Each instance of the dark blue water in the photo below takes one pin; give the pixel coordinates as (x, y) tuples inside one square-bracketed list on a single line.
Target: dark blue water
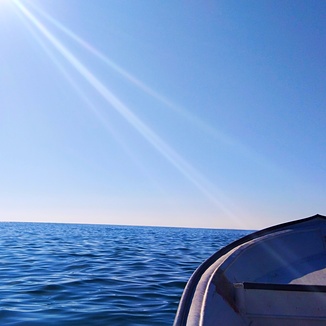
[(68, 274)]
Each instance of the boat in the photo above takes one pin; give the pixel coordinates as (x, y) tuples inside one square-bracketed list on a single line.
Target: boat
[(275, 276)]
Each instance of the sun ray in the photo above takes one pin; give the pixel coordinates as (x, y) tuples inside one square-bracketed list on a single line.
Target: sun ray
[(231, 142), (135, 81), (198, 180), (98, 114)]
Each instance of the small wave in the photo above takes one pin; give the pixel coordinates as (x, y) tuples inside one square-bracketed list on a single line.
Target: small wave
[(59, 274)]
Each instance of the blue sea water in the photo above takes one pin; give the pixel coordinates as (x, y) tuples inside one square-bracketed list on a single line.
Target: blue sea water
[(71, 274)]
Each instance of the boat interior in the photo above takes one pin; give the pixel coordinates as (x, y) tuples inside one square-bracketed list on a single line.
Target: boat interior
[(278, 276)]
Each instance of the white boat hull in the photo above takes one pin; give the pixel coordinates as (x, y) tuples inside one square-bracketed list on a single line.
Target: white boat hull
[(276, 276)]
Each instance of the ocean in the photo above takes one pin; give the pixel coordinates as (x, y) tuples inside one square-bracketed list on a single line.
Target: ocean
[(73, 274)]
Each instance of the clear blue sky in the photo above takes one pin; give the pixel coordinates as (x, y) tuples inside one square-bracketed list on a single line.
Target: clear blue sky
[(179, 113)]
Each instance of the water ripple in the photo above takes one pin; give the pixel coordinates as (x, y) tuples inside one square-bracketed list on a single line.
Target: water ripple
[(63, 274)]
